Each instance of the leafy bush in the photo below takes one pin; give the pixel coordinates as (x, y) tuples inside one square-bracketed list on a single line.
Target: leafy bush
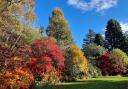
[(92, 50), (13, 68), (94, 71), (45, 57), (113, 63), (50, 77), (16, 79)]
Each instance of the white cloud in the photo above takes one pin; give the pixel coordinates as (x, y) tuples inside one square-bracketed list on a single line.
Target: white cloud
[(98, 5), (124, 26)]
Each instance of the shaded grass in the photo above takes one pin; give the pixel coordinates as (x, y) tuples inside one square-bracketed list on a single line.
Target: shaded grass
[(97, 83)]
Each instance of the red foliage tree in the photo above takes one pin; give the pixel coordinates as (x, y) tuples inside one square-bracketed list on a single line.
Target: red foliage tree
[(46, 55)]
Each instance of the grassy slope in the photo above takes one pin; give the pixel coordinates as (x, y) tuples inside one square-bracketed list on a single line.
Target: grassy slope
[(97, 83)]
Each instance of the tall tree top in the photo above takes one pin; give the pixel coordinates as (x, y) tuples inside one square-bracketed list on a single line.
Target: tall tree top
[(89, 37), (57, 13), (113, 25), (58, 28), (114, 35), (99, 40)]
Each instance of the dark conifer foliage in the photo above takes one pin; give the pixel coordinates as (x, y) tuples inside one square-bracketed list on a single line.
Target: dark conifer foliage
[(114, 35), (99, 40)]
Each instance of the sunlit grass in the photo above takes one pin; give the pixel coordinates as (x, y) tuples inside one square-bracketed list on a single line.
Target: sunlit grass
[(95, 83)]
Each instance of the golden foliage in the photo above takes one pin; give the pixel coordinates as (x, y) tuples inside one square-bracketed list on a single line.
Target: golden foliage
[(77, 56)]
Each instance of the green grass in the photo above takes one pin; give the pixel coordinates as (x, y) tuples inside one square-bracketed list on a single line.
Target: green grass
[(96, 83)]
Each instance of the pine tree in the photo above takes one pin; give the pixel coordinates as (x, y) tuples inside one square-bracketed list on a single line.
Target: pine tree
[(90, 37), (58, 28), (114, 35), (99, 40), (125, 49)]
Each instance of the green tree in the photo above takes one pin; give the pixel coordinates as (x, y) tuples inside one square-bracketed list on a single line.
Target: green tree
[(92, 50), (90, 37), (99, 40), (31, 35), (58, 28), (114, 35), (125, 49), (88, 40)]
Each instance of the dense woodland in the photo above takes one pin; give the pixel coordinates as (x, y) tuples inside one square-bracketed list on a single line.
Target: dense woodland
[(29, 57)]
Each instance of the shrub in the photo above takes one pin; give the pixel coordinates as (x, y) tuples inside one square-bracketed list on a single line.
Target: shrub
[(76, 65), (16, 79), (45, 57), (14, 73), (94, 71), (92, 50), (113, 63)]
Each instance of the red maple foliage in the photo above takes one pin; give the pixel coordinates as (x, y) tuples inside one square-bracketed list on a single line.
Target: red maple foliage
[(46, 55)]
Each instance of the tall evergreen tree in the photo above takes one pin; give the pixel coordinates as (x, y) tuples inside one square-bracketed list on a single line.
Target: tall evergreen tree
[(90, 37), (99, 40), (125, 49), (88, 40), (114, 35), (58, 28)]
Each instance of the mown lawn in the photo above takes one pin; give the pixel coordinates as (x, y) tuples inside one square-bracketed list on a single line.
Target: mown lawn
[(96, 83)]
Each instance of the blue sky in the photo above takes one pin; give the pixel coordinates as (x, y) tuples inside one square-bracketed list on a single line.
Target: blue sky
[(84, 14)]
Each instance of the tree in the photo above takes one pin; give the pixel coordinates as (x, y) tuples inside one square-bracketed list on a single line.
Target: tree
[(58, 29), (31, 35), (14, 15), (125, 46), (99, 40), (113, 35), (92, 50), (88, 41), (18, 11), (5, 4), (46, 56), (76, 65), (90, 37)]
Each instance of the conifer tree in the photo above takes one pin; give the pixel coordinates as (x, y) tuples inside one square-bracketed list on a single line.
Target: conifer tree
[(99, 39), (58, 28), (90, 37), (114, 35)]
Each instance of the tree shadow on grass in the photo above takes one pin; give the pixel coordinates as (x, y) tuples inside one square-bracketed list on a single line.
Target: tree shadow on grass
[(90, 84)]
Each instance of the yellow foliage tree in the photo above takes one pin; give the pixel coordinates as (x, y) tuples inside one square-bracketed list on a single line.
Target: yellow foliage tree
[(15, 15), (76, 66)]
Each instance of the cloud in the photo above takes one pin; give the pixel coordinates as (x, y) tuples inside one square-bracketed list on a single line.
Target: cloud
[(124, 26), (97, 5)]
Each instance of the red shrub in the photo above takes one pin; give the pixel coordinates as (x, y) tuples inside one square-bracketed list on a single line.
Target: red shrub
[(109, 66), (46, 55)]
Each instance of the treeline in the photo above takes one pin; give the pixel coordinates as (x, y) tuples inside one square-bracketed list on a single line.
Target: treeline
[(107, 55), (29, 58)]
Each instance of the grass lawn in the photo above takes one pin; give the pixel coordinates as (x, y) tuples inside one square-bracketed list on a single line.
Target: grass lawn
[(96, 83)]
